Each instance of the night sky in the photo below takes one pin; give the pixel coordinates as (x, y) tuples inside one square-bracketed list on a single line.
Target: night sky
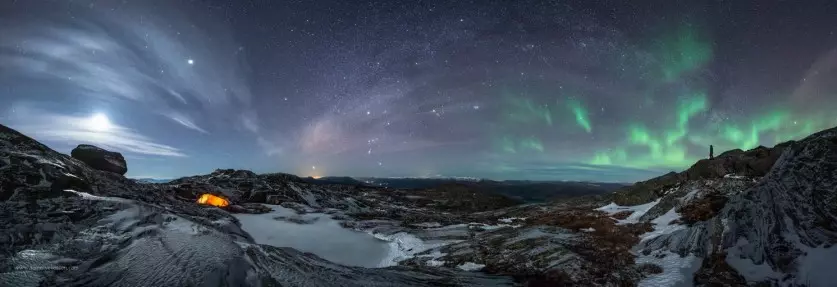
[(539, 90)]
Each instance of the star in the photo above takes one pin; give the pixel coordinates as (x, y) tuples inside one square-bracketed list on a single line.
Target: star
[(190, 61)]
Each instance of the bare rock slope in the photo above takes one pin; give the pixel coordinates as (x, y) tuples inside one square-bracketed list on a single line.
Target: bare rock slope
[(760, 217)]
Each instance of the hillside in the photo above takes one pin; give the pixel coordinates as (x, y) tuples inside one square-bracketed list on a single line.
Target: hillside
[(764, 216)]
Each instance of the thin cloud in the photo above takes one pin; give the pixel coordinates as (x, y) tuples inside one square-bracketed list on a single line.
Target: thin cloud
[(186, 122), (48, 126)]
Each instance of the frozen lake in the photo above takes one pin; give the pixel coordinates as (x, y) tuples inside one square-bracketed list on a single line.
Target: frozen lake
[(323, 236)]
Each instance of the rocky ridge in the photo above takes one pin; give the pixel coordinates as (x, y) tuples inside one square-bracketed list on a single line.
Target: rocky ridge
[(63, 223), (764, 216)]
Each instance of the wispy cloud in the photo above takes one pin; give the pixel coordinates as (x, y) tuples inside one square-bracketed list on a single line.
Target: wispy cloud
[(182, 73), (46, 126), (186, 122)]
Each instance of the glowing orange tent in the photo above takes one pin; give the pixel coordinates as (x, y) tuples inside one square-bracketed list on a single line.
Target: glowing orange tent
[(213, 200)]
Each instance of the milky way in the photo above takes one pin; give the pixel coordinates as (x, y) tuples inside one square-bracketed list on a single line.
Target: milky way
[(544, 90)]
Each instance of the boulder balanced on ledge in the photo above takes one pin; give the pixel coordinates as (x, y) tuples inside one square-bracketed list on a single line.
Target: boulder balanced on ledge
[(100, 159)]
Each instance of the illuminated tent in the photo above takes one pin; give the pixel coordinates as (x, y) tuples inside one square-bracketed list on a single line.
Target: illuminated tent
[(213, 200)]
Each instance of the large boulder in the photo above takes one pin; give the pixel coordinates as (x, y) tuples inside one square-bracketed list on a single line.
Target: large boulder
[(100, 159)]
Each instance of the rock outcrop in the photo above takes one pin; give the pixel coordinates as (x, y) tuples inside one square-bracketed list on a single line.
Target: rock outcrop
[(100, 159), (752, 163)]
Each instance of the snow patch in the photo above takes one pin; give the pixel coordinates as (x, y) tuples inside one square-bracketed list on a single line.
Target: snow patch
[(817, 267), (88, 196), (733, 176), (588, 229), (403, 245), (487, 227), (662, 225), (677, 271), (510, 219), (638, 210), (471, 266)]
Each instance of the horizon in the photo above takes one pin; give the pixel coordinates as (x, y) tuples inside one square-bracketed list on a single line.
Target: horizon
[(617, 92)]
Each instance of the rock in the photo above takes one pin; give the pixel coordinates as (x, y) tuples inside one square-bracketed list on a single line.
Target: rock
[(100, 159), (756, 162), (716, 272)]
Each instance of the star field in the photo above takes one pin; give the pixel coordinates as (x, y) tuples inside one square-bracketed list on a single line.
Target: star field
[(542, 90)]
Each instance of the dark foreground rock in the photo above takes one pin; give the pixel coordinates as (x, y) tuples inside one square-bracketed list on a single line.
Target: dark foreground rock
[(100, 159), (63, 223)]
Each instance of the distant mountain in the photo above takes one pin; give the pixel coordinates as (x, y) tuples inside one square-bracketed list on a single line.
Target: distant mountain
[(345, 180), (527, 191), (152, 180)]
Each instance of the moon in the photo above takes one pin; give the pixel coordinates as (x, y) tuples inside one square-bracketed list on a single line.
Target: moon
[(99, 122)]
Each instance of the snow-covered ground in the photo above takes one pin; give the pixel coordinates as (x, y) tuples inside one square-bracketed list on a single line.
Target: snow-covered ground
[(471, 266), (638, 210), (403, 246), (677, 271), (323, 236), (662, 225)]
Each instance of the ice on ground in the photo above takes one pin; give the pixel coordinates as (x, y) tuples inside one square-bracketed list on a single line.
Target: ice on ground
[(324, 237), (817, 268), (471, 266), (638, 210), (662, 225), (403, 246), (677, 271)]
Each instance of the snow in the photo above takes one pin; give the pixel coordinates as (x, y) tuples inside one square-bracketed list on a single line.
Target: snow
[(494, 227), (434, 256), (745, 266), (403, 246), (471, 266), (814, 268), (817, 268), (638, 210), (677, 271), (88, 196), (324, 237), (662, 225), (510, 219), (435, 263), (588, 229), (735, 176)]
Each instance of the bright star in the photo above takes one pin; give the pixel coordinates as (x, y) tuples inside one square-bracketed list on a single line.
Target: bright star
[(191, 62)]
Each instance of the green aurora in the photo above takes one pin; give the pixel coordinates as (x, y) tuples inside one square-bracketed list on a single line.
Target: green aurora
[(676, 138)]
